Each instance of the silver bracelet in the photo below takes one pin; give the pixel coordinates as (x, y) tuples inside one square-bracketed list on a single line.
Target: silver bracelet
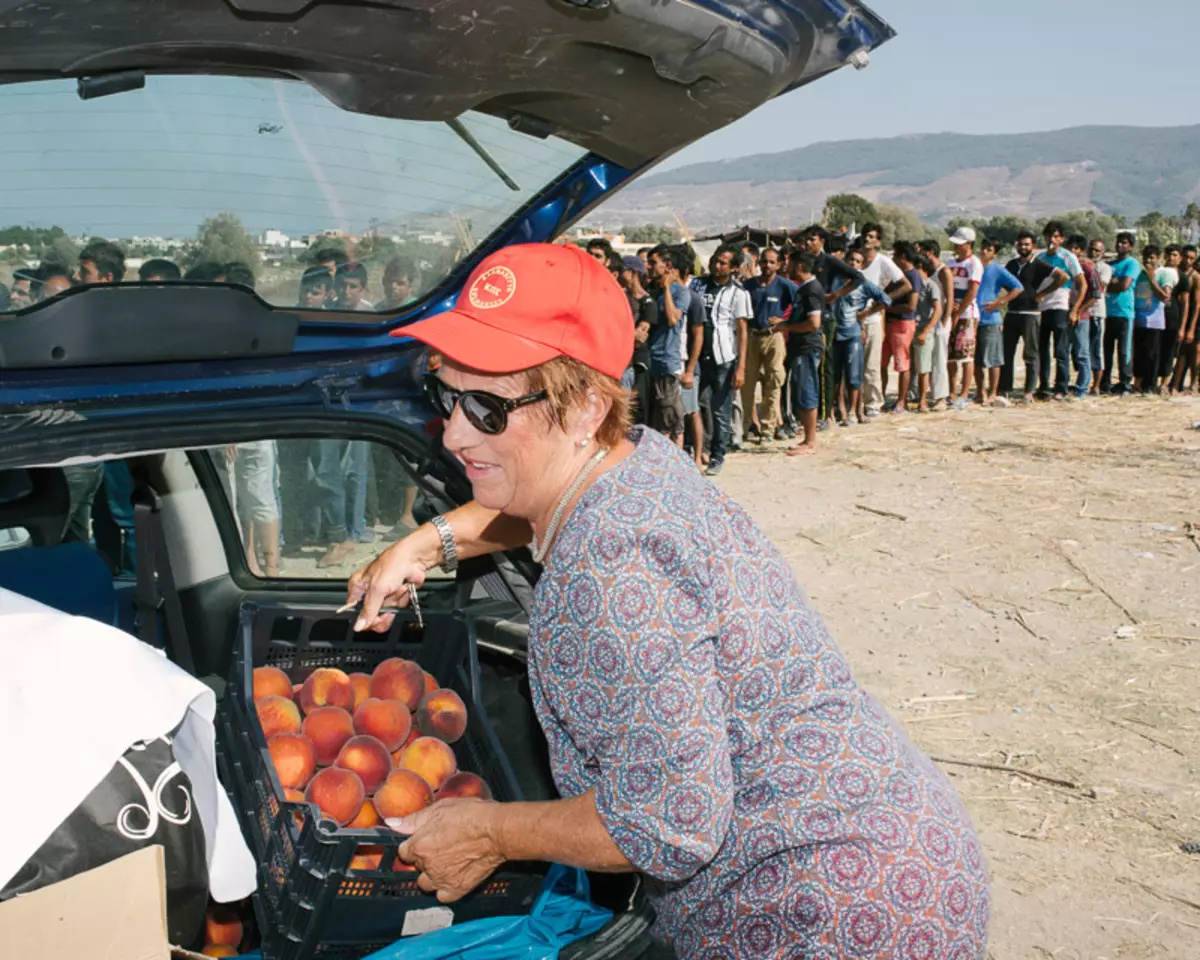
[(449, 548)]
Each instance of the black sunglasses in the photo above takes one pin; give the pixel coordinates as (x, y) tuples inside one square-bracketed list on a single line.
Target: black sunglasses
[(486, 412)]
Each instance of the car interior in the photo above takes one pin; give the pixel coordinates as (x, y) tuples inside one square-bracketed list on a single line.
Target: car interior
[(167, 555)]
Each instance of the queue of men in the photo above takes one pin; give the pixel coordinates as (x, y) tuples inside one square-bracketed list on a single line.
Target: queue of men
[(775, 344)]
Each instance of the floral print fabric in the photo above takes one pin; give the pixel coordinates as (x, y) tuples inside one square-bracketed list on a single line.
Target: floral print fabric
[(678, 670)]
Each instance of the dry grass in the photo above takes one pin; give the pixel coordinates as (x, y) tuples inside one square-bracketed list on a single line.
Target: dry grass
[(1037, 609)]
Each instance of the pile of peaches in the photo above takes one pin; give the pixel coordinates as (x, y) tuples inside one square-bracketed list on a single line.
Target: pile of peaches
[(364, 748)]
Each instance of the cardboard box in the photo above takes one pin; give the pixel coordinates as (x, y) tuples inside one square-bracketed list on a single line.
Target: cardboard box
[(115, 912)]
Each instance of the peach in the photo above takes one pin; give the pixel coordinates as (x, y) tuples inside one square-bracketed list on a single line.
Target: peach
[(295, 758), (367, 757), (367, 856), (362, 687), (465, 785), (442, 714), (338, 793), (296, 688), (271, 682), (327, 687), (219, 950), (368, 817), (292, 795), (402, 793), (431, 683), (388, 720), (277, 715), (328, 728), (397, 679), (222, 926), (431, 759)]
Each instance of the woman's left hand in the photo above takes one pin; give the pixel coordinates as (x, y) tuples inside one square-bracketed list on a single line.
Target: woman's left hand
[(453, 844)]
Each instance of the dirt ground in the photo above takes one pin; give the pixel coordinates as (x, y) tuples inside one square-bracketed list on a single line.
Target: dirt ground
[(1029, 598)]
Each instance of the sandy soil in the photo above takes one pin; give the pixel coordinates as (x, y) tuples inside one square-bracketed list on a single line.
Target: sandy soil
[(1033, 605)]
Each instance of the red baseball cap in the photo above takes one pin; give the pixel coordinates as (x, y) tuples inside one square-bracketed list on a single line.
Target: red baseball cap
[(530, 303)]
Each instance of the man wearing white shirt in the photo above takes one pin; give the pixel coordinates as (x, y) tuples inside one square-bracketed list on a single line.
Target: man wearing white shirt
[(1099, 312), (967, 270), (1059, 300), (882, 271)]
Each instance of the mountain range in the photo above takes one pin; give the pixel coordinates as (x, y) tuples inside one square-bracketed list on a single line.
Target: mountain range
[(1126, 170)]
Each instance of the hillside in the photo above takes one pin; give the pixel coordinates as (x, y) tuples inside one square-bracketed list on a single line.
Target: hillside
[(1128, 170)]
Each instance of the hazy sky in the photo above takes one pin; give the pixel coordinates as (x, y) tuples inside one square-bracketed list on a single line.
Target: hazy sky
[(977, 67)]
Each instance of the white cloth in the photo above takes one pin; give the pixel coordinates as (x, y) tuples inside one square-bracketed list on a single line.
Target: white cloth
[(939, 381), (966, 272), (78, 691), (1104, 272), (1064, 296), (883, 272), (873, 368)]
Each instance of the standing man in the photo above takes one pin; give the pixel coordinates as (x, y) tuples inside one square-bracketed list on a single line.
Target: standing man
[(1172, 260), (750, 256), (1187, 298), (884, 273), (645, 314), (101, 261), (1150, 295), (1099, 312), (1023, 319), (1081, 327), (997, 289), (967, 270), (666, 352), (1118, 328), (900, 326), (598, 248), (805, 347), (24, 288), (728, 308), (691, 345), (838, 280), (1060, 298), (771, 297), (351, 281), (939, 378)]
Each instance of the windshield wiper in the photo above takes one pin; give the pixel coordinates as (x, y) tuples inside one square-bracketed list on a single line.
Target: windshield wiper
[(469, 139)]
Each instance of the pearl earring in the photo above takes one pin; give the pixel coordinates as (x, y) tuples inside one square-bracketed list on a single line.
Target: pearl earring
[(585, 441)]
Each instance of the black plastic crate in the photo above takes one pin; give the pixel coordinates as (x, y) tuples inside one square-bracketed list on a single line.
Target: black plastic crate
[(309, 903)]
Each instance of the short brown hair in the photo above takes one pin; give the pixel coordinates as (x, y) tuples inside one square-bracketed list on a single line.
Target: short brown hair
[(568, 382)]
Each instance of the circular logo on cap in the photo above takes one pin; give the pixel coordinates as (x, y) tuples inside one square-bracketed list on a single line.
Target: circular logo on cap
[(492, 288)]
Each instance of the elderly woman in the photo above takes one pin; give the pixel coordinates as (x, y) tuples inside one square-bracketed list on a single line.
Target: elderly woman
[(703, 727)]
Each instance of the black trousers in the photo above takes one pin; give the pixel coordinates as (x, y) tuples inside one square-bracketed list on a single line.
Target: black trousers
[(1145, 355), (1020, 328), (828, 385), (1116, 335)]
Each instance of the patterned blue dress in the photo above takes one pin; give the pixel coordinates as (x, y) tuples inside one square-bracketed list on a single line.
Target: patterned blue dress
[(678, 670)]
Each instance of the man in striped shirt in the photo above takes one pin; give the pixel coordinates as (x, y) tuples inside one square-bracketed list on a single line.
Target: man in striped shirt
[(727, 305)]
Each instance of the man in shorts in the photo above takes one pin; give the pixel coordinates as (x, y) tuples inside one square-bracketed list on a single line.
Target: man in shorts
[(997, 289), (939, 379), (967, 271), (930, 307), (852, 311), (666, 338), (805, 349), (901, 326)]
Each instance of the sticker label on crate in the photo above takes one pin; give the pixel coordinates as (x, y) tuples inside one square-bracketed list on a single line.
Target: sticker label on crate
[(426, 921)]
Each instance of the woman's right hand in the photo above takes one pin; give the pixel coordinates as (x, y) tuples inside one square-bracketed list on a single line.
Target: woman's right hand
[(384, 582)]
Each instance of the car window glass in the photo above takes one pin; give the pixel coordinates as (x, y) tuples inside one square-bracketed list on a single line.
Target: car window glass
[(317, 508), (253, 181)]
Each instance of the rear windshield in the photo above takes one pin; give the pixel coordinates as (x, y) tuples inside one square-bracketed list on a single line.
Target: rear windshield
[(251, 181)]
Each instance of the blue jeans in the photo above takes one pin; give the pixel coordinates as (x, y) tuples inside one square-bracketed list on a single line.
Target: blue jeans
[(1054, 323), (328, 521), (1096, 344), (356, 463), (716, 380), (1081, 346), (806, 380), (848, 363)]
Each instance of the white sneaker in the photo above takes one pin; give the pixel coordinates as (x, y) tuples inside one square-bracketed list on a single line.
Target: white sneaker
[(1002, 402)]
